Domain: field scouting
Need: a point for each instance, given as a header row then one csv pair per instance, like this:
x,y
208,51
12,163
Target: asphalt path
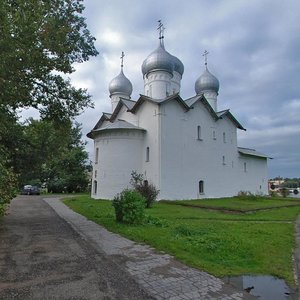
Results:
x,y
42,257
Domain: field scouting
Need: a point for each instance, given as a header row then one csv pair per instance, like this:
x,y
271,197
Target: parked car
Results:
x,y
30,190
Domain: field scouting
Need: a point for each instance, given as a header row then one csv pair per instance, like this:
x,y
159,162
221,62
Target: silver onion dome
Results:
x,y
178,65
158,60
120,85
207,82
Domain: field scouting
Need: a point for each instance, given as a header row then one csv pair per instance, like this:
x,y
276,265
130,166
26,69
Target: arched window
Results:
x,y
245,167
97,155
201,187
223,160
224,137
147,154
95,186
199,137
214,135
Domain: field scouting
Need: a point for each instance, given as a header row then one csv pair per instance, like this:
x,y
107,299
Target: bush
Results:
x,y
129,207
245,195
273,194
147,190
8,186
284,192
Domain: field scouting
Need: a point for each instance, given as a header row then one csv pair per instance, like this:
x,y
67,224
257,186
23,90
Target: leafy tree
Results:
x,y
8,182
40,40
54,155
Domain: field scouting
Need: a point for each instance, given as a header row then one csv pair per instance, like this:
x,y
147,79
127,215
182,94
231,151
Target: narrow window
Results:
x,y
224,137
146,183
245,167
223,159
201,187
97,155
95,173
199,133
214,135
147,154
95,186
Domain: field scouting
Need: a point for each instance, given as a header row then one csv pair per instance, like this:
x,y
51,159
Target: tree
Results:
x,y
39,41
8,182
55,155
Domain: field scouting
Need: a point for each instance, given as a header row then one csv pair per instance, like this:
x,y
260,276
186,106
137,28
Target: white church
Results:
x,y
186,147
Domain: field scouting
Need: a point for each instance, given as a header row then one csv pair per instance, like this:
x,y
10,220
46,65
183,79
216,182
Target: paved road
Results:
x,y
42,257
49,252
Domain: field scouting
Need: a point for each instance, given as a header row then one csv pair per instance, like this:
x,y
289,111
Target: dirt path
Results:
x,y
42,257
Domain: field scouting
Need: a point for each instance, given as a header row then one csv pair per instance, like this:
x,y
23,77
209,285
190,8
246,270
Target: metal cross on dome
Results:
x,y
122,59
161,29
205,56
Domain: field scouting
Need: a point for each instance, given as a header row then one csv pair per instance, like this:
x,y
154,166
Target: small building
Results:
x,y
186,147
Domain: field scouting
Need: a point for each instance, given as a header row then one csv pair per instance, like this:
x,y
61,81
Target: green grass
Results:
x,y
218,242
240,204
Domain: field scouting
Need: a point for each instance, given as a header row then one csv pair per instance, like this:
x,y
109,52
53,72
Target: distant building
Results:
x,y
276,185
186,147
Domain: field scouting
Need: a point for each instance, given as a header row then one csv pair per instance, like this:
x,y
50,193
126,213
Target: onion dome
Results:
x,y
178,65
206,82
158,60
120,85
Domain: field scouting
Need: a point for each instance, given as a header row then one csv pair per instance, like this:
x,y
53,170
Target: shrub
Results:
x,y
273,194
146,189
245,194
284,192
8,186
129,207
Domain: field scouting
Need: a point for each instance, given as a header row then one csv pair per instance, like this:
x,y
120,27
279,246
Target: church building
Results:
x,y
186,147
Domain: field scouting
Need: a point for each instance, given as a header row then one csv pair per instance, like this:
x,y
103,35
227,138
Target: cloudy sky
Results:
x,y
254,51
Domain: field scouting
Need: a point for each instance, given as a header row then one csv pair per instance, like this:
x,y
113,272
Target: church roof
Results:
x,y
227,113
107,115
104,117
126,102
144,98
252,152
133,107
119,124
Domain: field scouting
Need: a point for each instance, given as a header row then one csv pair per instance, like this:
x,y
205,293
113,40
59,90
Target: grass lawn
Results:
x,y
219,242
240,204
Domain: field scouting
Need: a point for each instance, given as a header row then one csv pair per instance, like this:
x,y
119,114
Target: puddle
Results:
x,y
263,287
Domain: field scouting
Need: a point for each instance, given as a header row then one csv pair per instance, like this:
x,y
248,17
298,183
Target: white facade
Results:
x,y
186,148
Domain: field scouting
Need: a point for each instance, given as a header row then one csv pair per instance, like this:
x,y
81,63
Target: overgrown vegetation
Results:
x,y
146,189
8,183
217,241
129,207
